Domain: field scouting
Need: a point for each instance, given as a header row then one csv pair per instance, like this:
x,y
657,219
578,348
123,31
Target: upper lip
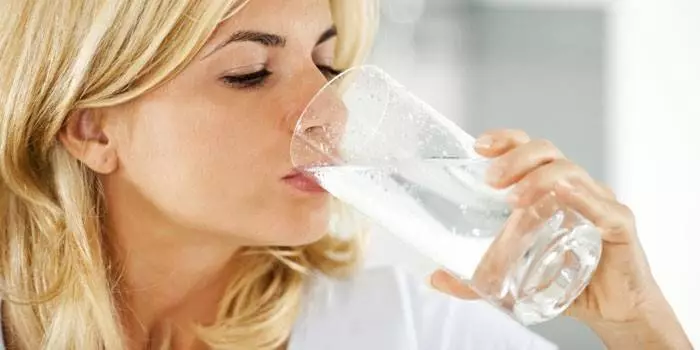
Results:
x,y
293,173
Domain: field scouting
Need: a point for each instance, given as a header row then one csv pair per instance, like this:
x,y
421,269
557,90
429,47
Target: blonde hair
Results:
x,y
55,276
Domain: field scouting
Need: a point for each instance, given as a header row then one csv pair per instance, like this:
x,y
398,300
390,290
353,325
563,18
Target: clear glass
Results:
x,y
372,144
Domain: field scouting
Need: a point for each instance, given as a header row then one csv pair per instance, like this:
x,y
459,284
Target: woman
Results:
x,y
147,200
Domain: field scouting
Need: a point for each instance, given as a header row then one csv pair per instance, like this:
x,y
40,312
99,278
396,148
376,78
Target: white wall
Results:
x,y
655,139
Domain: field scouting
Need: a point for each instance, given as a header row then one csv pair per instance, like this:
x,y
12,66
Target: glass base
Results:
x,y
553,272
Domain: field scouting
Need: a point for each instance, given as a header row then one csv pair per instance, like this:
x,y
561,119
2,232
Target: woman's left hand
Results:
x,y
622,293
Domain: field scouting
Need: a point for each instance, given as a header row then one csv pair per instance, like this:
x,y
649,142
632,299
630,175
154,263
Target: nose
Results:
x,y
318,131
326,114
321,101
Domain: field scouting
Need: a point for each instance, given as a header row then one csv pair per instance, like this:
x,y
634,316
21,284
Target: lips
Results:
x,y
303,182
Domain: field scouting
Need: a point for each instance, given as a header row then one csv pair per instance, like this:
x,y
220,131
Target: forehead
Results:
x,y
288,18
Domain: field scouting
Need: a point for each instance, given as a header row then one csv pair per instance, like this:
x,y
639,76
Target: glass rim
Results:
x,y
328,84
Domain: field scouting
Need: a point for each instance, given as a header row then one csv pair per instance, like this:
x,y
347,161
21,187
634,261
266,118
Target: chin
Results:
x,y
300,235
288,230
302,223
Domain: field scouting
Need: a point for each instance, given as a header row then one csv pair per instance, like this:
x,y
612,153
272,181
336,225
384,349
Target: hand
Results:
x,y
622,294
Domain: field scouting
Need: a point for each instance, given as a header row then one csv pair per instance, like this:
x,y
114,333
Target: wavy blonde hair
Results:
x,y
55,274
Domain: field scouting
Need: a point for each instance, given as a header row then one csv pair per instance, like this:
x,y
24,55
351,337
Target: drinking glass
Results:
x,y
375,146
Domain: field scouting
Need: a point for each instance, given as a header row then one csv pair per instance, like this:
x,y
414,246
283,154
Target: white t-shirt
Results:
x,y
385,309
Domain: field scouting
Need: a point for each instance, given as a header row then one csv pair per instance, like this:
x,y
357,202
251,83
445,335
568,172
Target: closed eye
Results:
x,y
258,79
247,81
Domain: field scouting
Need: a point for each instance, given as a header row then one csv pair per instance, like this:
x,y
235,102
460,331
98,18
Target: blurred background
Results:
x,y
615,84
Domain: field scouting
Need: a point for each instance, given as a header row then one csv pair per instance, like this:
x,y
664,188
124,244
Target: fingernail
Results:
x,y
429,280
484,142
433,282
439,285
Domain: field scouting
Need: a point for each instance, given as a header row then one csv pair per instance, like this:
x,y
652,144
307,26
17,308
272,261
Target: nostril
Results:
x,y
324,129
315,130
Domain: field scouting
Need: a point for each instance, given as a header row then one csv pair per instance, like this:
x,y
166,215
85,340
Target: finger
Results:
x,y
518,162
542,181
615,220
606,191
497,142
446,283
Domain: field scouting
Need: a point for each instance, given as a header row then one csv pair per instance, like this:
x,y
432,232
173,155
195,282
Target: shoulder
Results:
x,y
386,308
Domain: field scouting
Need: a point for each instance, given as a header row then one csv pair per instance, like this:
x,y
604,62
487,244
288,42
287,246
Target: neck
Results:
x,y
169,279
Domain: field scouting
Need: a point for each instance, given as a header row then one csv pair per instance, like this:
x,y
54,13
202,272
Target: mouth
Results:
x,y
303,182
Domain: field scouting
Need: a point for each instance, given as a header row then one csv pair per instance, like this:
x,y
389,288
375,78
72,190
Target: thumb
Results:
x,y
444,282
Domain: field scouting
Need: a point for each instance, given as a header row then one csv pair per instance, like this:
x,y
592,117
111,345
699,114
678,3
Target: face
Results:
x,y
209,150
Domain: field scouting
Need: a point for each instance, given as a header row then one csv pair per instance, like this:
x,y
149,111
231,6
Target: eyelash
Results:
x,y
257,79
247,81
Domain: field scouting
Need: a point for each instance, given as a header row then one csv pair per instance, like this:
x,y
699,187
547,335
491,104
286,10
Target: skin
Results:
x,y
622,304
194,170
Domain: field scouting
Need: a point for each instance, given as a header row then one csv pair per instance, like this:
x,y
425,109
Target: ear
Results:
x,y
83,137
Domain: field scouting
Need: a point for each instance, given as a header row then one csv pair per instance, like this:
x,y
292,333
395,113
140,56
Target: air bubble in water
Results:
x,y
477,232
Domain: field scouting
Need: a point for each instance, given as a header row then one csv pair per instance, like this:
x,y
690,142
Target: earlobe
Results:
x,y
84,137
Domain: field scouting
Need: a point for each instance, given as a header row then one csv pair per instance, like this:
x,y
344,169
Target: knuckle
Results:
x,y
624,222
626,212
568,166
544,143
608,191
548,147
519,135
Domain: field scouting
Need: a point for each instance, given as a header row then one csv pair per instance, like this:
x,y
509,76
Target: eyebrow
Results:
x,y
267,39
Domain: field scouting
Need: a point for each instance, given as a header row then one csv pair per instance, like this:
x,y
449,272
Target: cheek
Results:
x,y
196,149
220,170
